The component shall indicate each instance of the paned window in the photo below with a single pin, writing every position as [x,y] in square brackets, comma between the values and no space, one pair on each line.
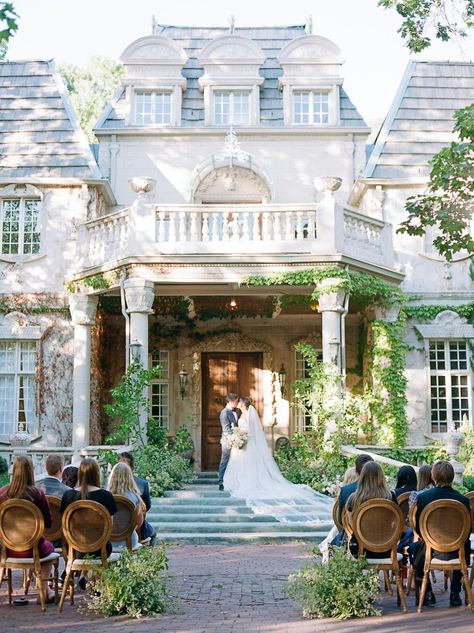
[17,386]
[450,384]
[310,107]
[20,226]
[231,108]
[160,408]
[304,420]
[152,108]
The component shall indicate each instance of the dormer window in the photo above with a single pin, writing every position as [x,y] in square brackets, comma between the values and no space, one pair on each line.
[231,107]
[310,107]
[153,108]
[20,221]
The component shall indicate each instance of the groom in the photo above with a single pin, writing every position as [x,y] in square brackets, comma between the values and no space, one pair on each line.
[229,417]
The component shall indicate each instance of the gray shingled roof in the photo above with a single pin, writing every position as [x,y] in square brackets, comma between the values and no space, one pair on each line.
[39,132]
[270,39]
[420,121]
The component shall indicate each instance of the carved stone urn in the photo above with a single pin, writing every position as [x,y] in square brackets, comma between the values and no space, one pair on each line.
[142,185]
[453,444]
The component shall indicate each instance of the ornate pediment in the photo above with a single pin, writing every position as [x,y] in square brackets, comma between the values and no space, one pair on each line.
[20,191]
[154,57]
[232,59]
[232,183]
[447,324]
[310,60]
[15,326]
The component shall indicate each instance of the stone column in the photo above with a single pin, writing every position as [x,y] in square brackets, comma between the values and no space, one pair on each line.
[331,306]
[83,309]
[139,296]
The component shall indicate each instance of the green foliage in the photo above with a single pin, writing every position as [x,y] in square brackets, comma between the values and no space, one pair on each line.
[98,282]
[445,19]
[3,50]
[3,465]
[162,468]
[183,441]
[339,589]
[8,22]
[448,202]
[466,452]
[136,585]
[417,456]
[4,479]
[129,399]
[468,481]
[91,88]
[430,312]
[156,434]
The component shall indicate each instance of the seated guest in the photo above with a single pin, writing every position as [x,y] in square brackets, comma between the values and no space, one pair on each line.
[346,492]
[425,481]
[121,482]
[22,486]
[371,485]
[406,480]
[88,488]
[69,477]
[443,477]
[147,530]
[52,484]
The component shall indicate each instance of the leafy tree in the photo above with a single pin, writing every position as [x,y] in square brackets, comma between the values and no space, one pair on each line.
[3,49]
[8,23]
[91,88]
[448,202]
[446,19]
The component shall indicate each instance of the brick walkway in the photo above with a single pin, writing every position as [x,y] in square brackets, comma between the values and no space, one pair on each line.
[237,589]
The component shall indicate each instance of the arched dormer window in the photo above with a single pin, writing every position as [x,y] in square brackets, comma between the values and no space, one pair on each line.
[310,82]
[153,81]
[231,81]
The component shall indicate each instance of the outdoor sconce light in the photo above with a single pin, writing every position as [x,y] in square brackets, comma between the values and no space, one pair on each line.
[183,381]
[135,347]
[334,345]
[282,376]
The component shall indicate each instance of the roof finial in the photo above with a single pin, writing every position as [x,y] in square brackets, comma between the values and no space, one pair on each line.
[232,24]
[153,24]
[308,27]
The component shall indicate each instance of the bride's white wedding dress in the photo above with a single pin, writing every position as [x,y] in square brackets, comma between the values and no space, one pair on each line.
[252,474]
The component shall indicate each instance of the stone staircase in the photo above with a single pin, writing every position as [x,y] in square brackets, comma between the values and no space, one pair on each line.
[200,513]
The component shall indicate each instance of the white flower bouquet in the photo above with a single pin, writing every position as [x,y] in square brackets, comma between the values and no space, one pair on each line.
[237,439]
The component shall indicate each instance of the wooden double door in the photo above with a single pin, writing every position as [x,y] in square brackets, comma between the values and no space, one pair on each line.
[223,373]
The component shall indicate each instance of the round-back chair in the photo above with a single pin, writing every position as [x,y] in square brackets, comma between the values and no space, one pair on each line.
[402,501]
[335,514]
[124,521]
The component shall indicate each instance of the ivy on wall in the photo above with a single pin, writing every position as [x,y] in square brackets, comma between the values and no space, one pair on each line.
[430,312]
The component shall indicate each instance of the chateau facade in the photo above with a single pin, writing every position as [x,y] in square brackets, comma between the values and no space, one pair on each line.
[223,156]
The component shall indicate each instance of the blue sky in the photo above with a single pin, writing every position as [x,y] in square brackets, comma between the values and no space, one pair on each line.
[71,31]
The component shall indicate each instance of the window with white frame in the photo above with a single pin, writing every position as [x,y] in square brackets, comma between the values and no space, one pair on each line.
[310,107]
[450,384]
[304,420]
[231,107]
[153,108]
[20,226]
[160,390]
[17,386]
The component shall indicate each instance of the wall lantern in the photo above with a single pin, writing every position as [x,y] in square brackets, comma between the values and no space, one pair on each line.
[282,376]
[183,381]
[334,346]
[135,347]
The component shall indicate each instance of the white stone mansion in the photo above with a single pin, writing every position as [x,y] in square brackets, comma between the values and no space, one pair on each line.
[223,155]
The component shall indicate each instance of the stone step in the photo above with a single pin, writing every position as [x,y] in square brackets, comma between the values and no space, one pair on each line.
[177,519]
[197,492]
[219,538]
[205,481]
[244,527]
[188,508]
[198,501]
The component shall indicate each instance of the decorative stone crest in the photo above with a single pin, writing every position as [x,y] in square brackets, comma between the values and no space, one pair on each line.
[447,324]
[139,295]
[15,326]
[142,185]
[83,308]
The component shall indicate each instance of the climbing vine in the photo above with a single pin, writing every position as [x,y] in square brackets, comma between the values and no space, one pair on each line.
[430,312]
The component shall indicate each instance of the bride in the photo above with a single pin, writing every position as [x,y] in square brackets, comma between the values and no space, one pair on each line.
[252,474]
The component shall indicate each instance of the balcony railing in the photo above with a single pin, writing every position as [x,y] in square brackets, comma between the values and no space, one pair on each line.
[170,231]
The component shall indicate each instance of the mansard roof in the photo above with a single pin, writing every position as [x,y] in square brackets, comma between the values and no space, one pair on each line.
[271,40]
[421,120]
[39,132]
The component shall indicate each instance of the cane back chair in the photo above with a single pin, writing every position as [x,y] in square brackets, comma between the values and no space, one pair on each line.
[124,522]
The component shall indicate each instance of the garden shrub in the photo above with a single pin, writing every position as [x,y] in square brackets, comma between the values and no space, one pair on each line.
[338,589]
[183,441]
[3,465]
[162,468]
[136,585]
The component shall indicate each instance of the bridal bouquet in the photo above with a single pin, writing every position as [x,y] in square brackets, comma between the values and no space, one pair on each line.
[237,439]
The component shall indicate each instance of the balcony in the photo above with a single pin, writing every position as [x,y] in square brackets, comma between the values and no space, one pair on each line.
[217,233]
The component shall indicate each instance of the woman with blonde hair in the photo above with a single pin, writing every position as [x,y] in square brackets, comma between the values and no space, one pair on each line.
[22,486]
[121,482]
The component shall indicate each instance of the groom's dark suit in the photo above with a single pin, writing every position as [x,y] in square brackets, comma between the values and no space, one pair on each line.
[228,418]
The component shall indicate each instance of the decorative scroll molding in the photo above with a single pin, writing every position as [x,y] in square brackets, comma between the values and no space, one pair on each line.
[448,324]
[232,183]
[21,191]
[15,326]
[83,309]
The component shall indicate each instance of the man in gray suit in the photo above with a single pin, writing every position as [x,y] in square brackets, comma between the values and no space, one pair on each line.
[52,484]
[229,417]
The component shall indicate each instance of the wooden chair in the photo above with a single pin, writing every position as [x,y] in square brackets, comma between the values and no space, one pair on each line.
[21,527]
[335,514]
[402,501]
[347,526]
[124,521]
[470,497]
[444,526]
[87,527]
[377,526]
